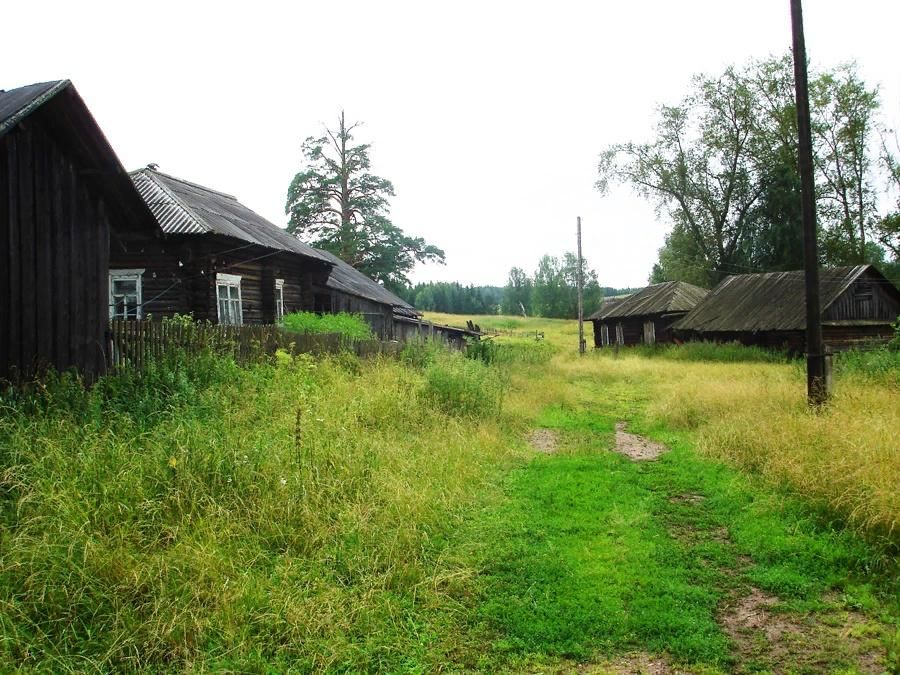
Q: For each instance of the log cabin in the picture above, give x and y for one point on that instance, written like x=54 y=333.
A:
x=858 y=306
x=63 y=195
x=646 y=316
x=349 y=290
x=217 y=260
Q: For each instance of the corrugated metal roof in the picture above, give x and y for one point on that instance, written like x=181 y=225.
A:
x=16 y=104
x=182 y=207
x=768 y=301
x=669 y=296
x=347 y=279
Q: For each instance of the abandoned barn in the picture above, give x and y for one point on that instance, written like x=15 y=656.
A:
x=217 y=259
x=63 y=194
x=646 y=316
x=858 y=306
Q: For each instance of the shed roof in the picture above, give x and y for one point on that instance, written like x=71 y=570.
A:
x=347 y=279
x=767 y=301
x=607 y=305
x=63 y=115
x=664 y=298
x=182 y=207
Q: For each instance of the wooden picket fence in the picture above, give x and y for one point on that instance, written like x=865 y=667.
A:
x=132 y=344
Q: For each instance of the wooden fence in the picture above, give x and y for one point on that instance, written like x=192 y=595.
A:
x=132 y=344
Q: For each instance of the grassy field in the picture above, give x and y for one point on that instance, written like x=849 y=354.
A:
x=391 y=516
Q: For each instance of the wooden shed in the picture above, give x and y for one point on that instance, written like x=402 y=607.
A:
x=602 y=329
x=349 y=290
x=63 y=192
x=646 y=316
x=217 y=259
x=858 y=306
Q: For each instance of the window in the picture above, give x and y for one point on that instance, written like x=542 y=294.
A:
x=279 y=299
x=620 y=334
x=125 y=294
x=228 y=296
x=604 y=335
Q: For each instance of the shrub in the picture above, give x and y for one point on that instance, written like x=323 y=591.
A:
x=352 y=326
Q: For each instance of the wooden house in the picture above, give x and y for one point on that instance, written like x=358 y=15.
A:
x=63 y=194
x=217 y=259
x=858 y=306
x=646 y=316
x=349 y=290
x=602 y=330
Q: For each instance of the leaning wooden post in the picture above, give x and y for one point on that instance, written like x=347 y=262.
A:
x=816 y=382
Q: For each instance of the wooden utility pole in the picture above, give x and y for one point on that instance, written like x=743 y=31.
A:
x=580 y=294
x=816 y=389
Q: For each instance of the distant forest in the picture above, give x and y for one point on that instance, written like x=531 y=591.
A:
x=550 y=292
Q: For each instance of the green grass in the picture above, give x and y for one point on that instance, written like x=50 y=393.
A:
x=352 y=326
x=387 y=515
x=594 y=555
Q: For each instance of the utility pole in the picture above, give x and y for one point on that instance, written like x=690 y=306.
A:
x=816 y=388
x=580 y=294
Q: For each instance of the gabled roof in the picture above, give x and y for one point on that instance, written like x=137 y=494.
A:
x=664 y=298
x=17 y=104
x=768 y=301
x=62 y=114
x=182 y=207
x=607 y=305
x=348 y=279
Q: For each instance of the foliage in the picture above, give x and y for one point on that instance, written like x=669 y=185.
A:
x=352 y=326
x=554 y=287
x=452 y=297
x=517 y=293
x=336 y=204
x=728 y=352
x=723 y=168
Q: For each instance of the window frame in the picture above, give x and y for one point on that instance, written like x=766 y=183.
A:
x=279 y=300
x=134 y=274
x=229 y=281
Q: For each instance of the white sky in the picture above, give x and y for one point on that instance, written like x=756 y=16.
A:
x=487 y=116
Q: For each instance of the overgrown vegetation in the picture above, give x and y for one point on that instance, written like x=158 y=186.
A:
x=351 y=326
x=387 y=515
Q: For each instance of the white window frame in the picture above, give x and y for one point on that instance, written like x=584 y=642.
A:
x=135 y=275
x=229 y=281
x=620 y=334
x=279 y=299
x=604 y=335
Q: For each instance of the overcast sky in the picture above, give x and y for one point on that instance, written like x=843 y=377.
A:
x=487 y=116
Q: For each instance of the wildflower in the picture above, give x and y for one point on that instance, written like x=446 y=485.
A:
x=284 y=481
x=173 y=462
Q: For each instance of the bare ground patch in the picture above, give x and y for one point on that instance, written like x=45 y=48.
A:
x=764 y=638
x=633 y=663
x=544 y=440
x=636 y=448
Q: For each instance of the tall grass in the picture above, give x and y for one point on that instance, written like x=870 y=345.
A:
x=279 y=516
x=352 y=326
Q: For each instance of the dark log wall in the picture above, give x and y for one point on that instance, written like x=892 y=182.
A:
x=379 y=317
x=868 y=298
x=54 y=251
x=186 y=267
x=164 y=290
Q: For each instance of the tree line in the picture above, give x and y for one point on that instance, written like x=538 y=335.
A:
x=552 y=290
x=723 y=167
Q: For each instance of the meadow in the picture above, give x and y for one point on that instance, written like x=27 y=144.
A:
x=389 y=515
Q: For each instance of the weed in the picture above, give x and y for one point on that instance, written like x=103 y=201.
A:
x=352 y=326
